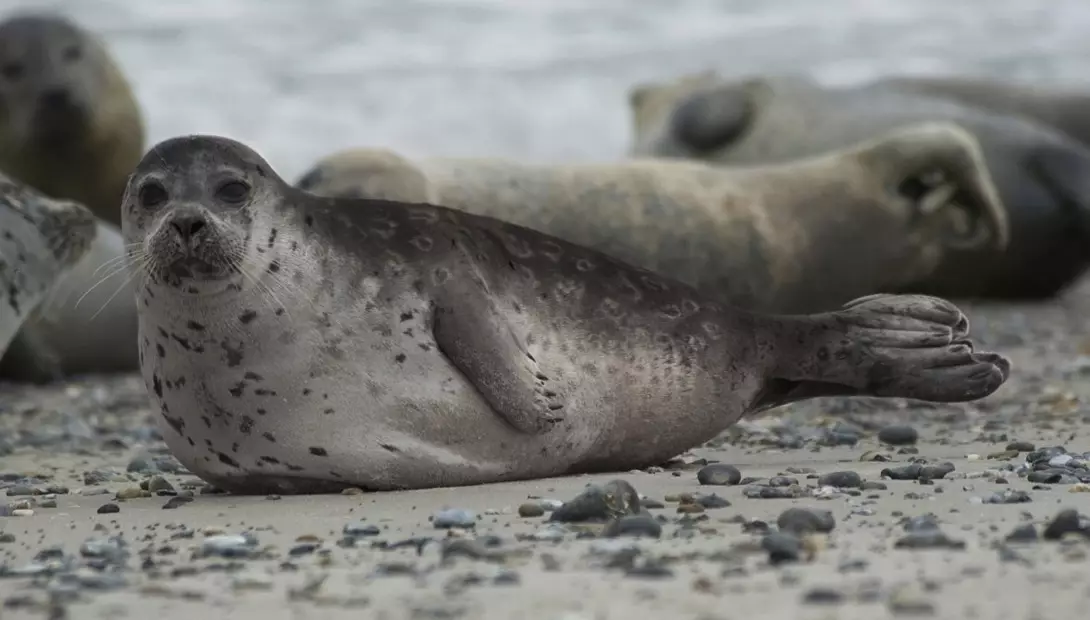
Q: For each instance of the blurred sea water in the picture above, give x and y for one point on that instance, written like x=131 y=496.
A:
x=542 y=80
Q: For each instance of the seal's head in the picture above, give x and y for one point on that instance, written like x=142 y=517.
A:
x=190 y=215
x=51 y=72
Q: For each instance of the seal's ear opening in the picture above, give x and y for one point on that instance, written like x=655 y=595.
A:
x=711 y=119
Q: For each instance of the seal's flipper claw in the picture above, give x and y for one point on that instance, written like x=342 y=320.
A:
x=908 y=346
x=917 y=346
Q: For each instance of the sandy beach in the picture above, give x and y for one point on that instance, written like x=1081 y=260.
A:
x=102 y=522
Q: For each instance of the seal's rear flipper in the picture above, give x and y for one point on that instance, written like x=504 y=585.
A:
x=909 y=346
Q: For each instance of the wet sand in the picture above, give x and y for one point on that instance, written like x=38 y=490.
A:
x=94 y=443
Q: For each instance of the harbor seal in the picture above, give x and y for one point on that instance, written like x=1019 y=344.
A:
x=40 y=239
x=803 y=236
x=70 y=126
x=295 y=343
x=1042 y=175
x=87 y=322
x=1064 y=108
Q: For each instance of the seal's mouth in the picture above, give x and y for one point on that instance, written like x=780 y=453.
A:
x=59 y=119
x=194 y=268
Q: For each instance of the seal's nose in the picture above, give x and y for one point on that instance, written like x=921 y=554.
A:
x=188 y=227
x=55 y=99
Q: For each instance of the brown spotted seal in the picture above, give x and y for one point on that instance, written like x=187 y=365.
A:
x=1042 y=175
x=40 y=240
x=296 y=343
x=802 y=236
x=70 y=126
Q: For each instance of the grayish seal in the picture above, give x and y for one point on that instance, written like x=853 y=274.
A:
x=87 y=322
x=295 y=343
x=802 y=236
x=70 y=125
x=1065 y=108
x=40 y=239
x=1043 y=176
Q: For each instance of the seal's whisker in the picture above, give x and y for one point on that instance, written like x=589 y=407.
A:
x=106 y=265
x=128 y=280
x=115 y=270
x=267 y=294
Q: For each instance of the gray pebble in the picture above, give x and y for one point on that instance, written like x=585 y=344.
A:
x=800 y=521
x=1008 y=496
x=108 y=508
x=599 y=503
x=1021 y=446
x=359 y=529
x=177 y=501
x=898 y=435
x=455 y=517
x=823 y=596
x=1026 y=532
x=906 y=472
x=928 y=539
x=782 y=547
x=761 y=491
x=841 y=479
x=229 y=546
x=1067 y=521
x=712 y=501
x=719 y=474
x=530 y=510
x=782 y=481
x=633 y=525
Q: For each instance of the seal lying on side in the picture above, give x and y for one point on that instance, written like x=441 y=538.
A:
x=70 y=126
x=87 y=323
x=296 y=343
x=1043 y=176
x=40 y=239
x=1066 y=109
x=799 y=237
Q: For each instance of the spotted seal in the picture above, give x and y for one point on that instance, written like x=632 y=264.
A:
x=70 y=125
x=294 y=343
x=40 y=240
x=803 y=236
x=1042 y=175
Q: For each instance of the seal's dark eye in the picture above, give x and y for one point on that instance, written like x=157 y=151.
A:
x=233 y=191
x=12 y=71
x=152 y=194
x=72 y=53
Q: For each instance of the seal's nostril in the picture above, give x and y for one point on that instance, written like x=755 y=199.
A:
x=195 y=227
x=55 y=99
x=187 y=227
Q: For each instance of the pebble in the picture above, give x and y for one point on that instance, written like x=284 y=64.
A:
x=455 y=517
x=823 y=596
x=712 y=501
x=905 y=603
x=1067 y=521
x=760 y=491
x=928 y=539
x=1026 y=532
x=229 y=546
x=898 y=435
x=599 y=503
x=131 y=493
x=907 y=472
x=176 y=502
x=1008 y=496
x=108 y=508
x=782 y=547
x=633 y=525
x=806 y=520
x=841 y=479
x=719 y=474
x=1021 y=446
x=782 y=481
x=530 y=510
x=359 y=529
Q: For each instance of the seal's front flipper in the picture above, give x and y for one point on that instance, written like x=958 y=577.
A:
x=477 y=339
x=909 y=346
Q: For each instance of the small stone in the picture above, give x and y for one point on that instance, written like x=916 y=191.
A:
x=936 y=472
x=712 y=501
x=1060 y=460
x=1045 y=477
x=873 y=485
x=7 y=538
x=905 y=603
x=841 y=479
x=1005 y=455
x=1026 y=532
x=530 y=510
x=782 y=481
x=24 y=512
x=1081 y=487
x=928 y=539
x=719 y=474
x=782 y=547
x=760 y=491
x=689 y=508
x=1067 y=521
x=633 y=525
x=651 y=504
x=19 y=490
x=229 y=546
x=176 y=502
x=599 y=503
x=898 y=435
x=131 y=493
x=823 y=596
x=907 y=472
x=1021 y=446
x=455 y=517
x=159 y=484
x=1008 y=496
x=108 y=508
x=873 y=456
x=801 y=521
x=359 y=529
